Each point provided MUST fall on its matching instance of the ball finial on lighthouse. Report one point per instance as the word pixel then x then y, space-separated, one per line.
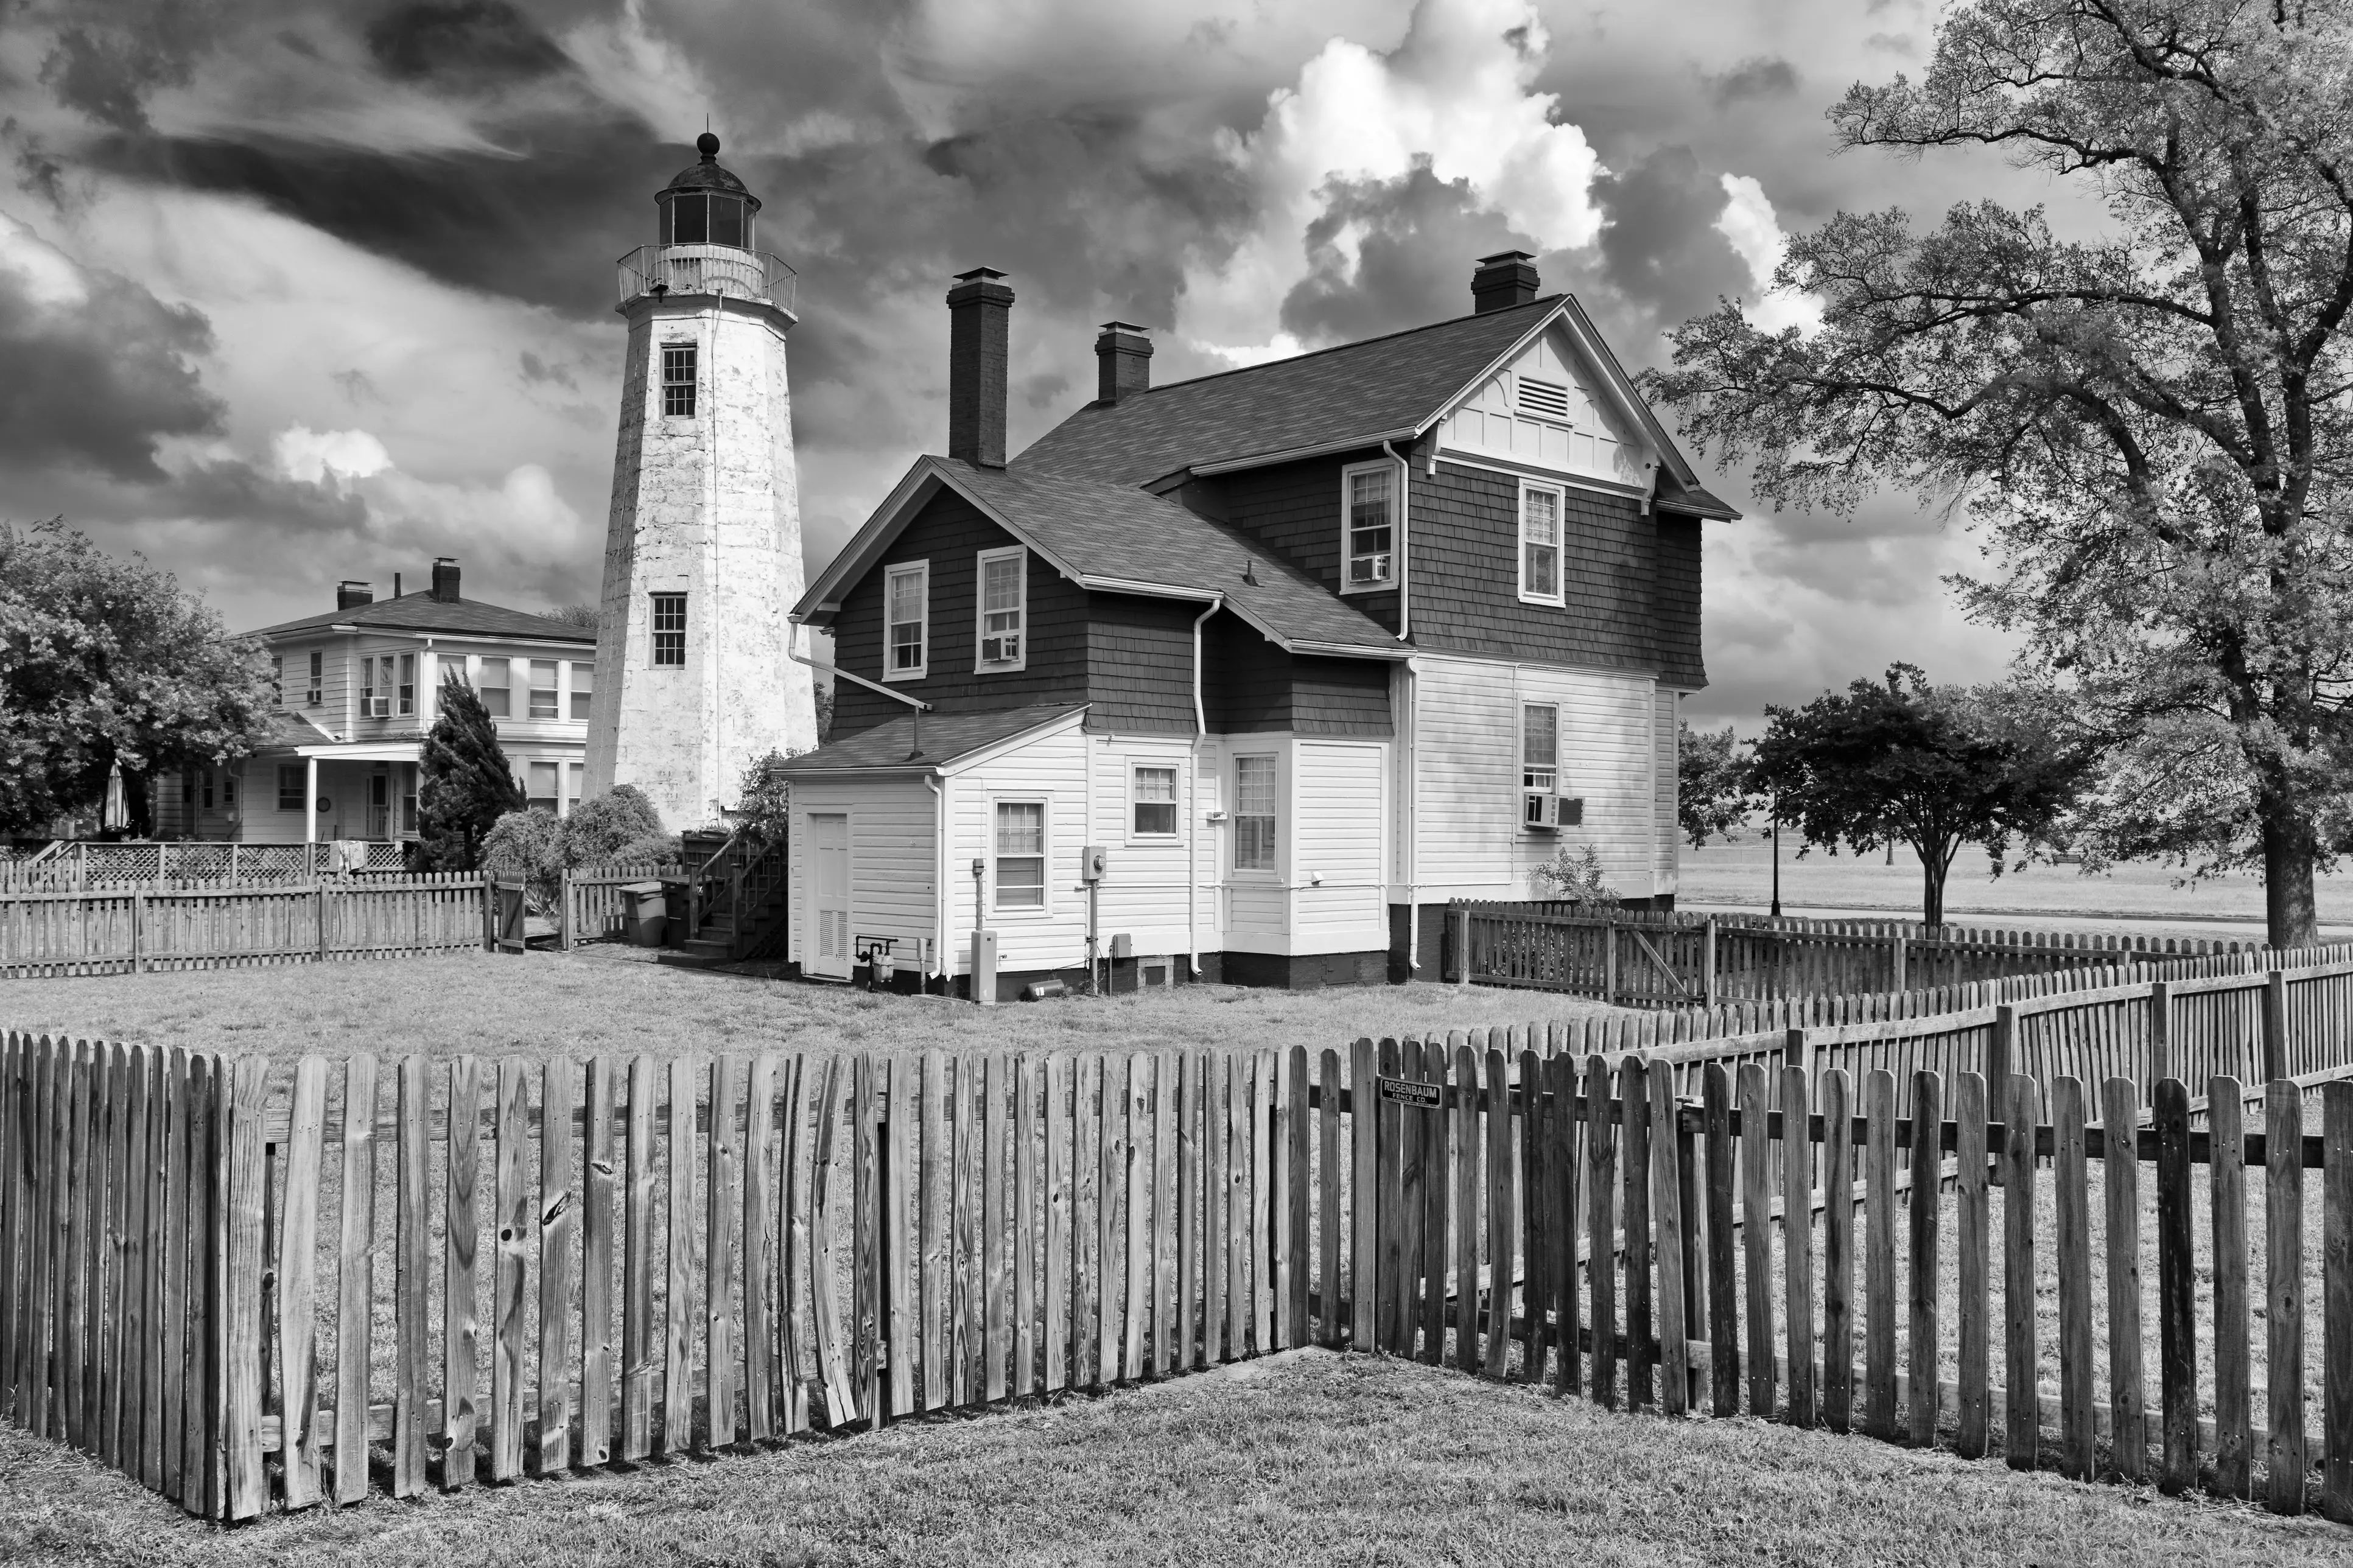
pixel 708 145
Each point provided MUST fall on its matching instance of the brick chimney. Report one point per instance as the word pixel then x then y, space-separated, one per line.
pixel 445 579
pixel 350 592
pixel 1504 280
pixel 1123 362
pixel 978 307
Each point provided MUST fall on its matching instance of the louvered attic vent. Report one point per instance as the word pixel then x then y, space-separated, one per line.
pixel 1547 398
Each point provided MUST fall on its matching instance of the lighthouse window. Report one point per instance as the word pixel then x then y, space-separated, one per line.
pixel 726 221
pixel 678 379
pixel 685 217
pixel 670 628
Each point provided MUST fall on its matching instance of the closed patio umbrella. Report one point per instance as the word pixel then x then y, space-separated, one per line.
pixel 117 813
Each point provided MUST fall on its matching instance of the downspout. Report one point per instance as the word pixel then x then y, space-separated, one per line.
pixel 940 963
pixel 1193 800
pixel 1410 751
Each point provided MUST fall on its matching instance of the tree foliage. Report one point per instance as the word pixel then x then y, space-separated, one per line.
pixel 1711 792
pixel 527 846
pixel 105 660
pixel 464 782
pixel 1906 762
pixel 2149 426
pixel 619 828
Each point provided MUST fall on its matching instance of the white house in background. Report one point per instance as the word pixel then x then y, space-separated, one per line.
pixel 1247 676
pixel 354 691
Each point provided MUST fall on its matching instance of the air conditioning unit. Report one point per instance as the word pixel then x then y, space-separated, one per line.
pixel 1000 650
pixel 1540 812
pixel 379 707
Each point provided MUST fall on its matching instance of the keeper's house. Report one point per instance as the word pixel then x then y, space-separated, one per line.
pixel 1303 650
pixel 354 695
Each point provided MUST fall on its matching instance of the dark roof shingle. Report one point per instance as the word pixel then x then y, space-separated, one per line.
pixel 421 612
pixel 945 737
pixel 1362 390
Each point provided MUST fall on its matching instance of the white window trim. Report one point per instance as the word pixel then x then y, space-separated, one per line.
pixel 1520 790
pixel 1177 836
pixel 1396 527
pixel 921 570
pixel 980 612
pixel 1283 802
pixel 1559 596
pixel 988 852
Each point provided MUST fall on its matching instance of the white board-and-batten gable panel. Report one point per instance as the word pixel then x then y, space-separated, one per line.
pixel 892 860
pixel 1473 844
pixel 1550 408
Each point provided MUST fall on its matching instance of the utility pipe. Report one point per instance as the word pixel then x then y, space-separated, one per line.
pixel 920 705
pixel 1404 536
pixel 1411 795
pixel 938 786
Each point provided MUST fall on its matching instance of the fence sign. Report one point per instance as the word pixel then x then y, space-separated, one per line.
pixel 1404 1091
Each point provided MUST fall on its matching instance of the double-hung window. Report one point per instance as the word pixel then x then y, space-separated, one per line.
pixel 1020 855
pixel 277 680
pixel 539 789
pixel 1540 540
pixel 496 684
pixel 316 692
pixel 376 678
pixel 1004 608
pixel 584 691
pixel 1539 765
pixel 542 690
pixel 405 697
pixel 291 779
pixel 1254 813
pixel 669 630
pixel 1368 495
pixel 906 635
pixel 1154 803
pixel 678 380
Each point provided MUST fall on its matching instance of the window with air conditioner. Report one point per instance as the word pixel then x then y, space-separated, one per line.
pixel 1540 766
pixel 1004 609
pixel 1540 542
pixel 375 677
pixel 906 610
pixel 1369 501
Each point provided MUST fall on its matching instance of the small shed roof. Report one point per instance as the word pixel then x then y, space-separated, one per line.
pixel 947 739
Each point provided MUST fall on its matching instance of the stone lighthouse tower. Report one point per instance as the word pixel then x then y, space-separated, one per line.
pixel 702 552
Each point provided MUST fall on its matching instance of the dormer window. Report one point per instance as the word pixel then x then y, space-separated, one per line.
pixel 1368 499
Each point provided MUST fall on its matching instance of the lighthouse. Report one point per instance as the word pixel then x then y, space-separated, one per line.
pixel 702 549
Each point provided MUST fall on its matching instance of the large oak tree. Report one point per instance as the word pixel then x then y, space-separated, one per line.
pixel 2150 426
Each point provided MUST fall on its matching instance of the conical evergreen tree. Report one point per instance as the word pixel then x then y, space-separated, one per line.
pixel 463 782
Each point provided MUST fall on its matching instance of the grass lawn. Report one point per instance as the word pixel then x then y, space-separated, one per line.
pixel 610 998
pixel 1741 874
pixel 1312 1458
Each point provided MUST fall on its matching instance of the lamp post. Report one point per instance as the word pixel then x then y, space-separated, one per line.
pixel 1777 857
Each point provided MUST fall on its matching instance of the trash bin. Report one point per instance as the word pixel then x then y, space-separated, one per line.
pixel 648 916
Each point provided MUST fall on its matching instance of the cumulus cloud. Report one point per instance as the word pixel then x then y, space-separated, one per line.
pixel 328 457
pixel 1750 223
pixel 1456 96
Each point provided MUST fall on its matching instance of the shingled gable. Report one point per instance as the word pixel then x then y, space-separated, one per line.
pixel 1115 538
pixel 1358 395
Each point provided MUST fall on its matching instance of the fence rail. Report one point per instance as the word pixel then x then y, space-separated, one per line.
pixel 1639 959
pixel 133 930
pixel 592 1260
pixel 74 865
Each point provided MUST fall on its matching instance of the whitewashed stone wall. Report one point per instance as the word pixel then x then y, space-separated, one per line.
pixel 709 507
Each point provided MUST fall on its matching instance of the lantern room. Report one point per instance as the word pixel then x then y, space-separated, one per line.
pixel 706 204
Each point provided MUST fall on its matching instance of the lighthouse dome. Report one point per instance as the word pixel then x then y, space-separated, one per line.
pixel 706 204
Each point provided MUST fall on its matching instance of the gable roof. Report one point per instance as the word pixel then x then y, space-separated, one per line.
pixel 1355 395
pixel 947 739
pixel 421 612
pixel 1114 537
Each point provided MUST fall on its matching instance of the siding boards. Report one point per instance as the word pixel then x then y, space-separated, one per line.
pixel 949 532
pixel 1249 685
pixel 1464 578
pixel 1676 588
pixel 1140 664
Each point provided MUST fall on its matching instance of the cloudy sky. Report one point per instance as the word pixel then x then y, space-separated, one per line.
pixel 292 292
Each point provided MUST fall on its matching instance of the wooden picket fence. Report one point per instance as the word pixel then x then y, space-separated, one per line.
pixel 134 929
pixel 590 906
pixel 76 865
pixel 1640 958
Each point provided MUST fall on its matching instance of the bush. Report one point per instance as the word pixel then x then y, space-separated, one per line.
pixel 527 846
pixel 1577 878
pixel 764 804
pixel 613 828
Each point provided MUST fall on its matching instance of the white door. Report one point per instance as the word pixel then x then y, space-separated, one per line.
pixel 827 951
